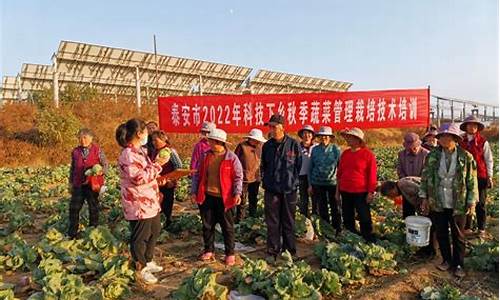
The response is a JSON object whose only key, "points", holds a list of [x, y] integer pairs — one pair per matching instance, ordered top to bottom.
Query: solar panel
{"points": [[113, 71], [276, 82]]}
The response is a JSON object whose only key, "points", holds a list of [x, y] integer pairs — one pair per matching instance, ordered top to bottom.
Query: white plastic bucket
{"points": [[418, 230]]}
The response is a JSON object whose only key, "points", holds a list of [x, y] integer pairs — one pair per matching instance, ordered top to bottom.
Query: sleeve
{"points": [[238, 150], [195, 157], [298, 158], [488, 159], [176, 160], [263, 161], [104, 162], [133, 166], [311, 166], [71, 168], [339, 170], [372, 173], [401, 173], [196, 176], [238, 177], [471, 181], [422, 192]]}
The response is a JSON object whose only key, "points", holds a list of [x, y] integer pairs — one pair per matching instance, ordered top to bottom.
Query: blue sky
{"points": [[451, 45]]}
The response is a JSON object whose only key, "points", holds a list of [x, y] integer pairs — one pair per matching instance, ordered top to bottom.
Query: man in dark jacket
{"points": [[280, 166]]}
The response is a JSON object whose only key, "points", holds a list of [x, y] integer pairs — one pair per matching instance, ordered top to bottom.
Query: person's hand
{"points": [[161, 160], [490, 183], [310, 191], [337, 196], [369, 197], [193, 198], [237, 199], [424, 207], [470, 209]]}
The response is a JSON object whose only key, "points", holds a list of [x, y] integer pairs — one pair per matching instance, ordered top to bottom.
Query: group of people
{"points": [[438, 177], [446, 178]]}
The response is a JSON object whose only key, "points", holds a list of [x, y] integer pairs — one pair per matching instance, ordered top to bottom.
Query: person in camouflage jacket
{"points": [[449, 191]]}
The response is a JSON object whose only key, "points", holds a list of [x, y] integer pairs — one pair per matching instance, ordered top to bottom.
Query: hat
{"points": [[276, 119], [472, 119], [207, 126], [305, 128], [449, 128], [325, 131], [354, 132], [433, 132], [256, 134], [218, 135], [411, 140]]}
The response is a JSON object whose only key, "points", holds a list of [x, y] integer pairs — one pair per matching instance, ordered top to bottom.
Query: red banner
{"points": [[241, 113]]}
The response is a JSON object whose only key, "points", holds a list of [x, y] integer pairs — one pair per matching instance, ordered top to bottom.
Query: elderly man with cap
{"points": [[307, 144], [202, 146], [479, 147], [249, 153], [84, 157], [410, 163], [280, 167], [323, 177], [357, 182], [217, 188], [449, 190]]}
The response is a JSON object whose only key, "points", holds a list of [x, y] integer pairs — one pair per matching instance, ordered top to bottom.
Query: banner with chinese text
{"points": [[240, 113]]}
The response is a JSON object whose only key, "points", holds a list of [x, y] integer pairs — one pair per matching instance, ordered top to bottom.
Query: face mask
{"points": [[144, 140]]}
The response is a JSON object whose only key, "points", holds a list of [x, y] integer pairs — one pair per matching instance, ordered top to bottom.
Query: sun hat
{"points": [[472, 119], [207, 127], [305, 128], [450, 128], [325, 130], [354, 132], [256, 134], [218, 135]]}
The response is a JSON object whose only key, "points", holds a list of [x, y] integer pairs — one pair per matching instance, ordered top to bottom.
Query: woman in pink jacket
{"points": [[140, 196]]}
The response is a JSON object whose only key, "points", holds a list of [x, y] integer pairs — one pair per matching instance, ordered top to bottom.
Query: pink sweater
{"points": [[139, 189]]}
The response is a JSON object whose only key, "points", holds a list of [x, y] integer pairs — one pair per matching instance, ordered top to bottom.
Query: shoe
{"points": [[468, 232], [207, 256], [230, 260], [271, 260], [444, 266], [153, 267], [459, 272], [147, 277]]}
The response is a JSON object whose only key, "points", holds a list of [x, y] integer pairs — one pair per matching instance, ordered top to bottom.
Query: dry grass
{"points": [[19, 140]]}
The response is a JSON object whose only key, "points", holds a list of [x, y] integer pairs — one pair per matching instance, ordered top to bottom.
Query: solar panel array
{"points": [[115, 71]]}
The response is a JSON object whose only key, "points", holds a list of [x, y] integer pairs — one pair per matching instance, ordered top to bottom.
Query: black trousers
{"points": [[482, 184], [78, 196], [248, 198], [304, 198], [356, 202], [167, 204], [328, 207], [408, 208], [212, 212], [280, 221], [444, 222], [143, 237]]}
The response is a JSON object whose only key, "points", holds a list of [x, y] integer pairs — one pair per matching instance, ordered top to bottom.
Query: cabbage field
{"points": [[38, 261]]}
